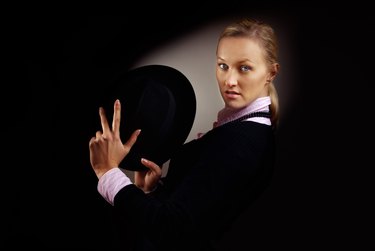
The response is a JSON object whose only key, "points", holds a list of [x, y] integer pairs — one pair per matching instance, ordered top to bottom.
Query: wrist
{"points": [[101, 171], [151, 190]]}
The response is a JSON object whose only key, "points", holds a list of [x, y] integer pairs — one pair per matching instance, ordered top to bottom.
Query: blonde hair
{"points": [[266, 38]]}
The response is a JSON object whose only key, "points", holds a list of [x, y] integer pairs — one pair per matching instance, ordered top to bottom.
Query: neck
{"points": [[228, 114]]}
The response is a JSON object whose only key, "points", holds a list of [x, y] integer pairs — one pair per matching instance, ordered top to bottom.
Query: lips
{"points": [[232, 94]]}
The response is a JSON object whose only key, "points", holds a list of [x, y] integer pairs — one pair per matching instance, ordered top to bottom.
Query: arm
{"points": [[207, 199]]}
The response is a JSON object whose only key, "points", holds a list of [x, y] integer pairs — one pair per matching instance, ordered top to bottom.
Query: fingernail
{"points": [[144, 160]]}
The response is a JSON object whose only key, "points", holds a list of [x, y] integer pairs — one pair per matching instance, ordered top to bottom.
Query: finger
{"points": [[116, 118], [104, 122], [98, 134], [132, 139], [92, 140], [152, 166]]}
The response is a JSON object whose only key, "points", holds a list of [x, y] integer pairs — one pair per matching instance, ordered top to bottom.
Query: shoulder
{"points": [[248, 132], [247, 139]]}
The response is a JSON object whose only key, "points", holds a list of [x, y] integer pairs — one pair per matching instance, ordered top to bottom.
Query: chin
{"points": [[234, 105]]}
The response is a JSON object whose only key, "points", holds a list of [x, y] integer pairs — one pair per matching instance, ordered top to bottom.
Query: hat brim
{"points": [[159, 100]]}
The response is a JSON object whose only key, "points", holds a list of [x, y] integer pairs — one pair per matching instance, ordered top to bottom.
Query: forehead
{"points": [[232, 47]]}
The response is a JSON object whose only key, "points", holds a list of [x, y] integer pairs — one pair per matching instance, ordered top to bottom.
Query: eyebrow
{"points": [[247, 60], [242, 61]]}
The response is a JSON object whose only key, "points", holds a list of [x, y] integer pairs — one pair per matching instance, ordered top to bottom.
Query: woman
{"points": [[212, 179]]}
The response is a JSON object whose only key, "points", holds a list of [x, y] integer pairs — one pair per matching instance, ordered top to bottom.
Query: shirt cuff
{"points": [[111, 183]]}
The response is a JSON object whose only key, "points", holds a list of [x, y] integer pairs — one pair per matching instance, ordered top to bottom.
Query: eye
{"points": [[223, 66], [245, 68]]}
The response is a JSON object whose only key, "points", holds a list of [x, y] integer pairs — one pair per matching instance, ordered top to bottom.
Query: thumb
{"points": [[132, 139], [152, 166]]}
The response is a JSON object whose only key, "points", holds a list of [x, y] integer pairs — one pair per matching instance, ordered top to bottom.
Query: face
{"points": [[241, 71]]}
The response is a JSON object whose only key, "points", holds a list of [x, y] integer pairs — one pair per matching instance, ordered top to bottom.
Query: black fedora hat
{"points": [[159, 100]]}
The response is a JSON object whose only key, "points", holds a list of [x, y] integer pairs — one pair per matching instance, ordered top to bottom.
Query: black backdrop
{"points": [[322, 192]]}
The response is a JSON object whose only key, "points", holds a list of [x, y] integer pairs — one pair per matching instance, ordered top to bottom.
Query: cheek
{"points": [[217, 75], [219, 78], [256, 81], [252, 86]]}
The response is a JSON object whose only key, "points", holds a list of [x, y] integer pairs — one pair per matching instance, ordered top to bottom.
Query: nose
{"points": [[231, 78]]}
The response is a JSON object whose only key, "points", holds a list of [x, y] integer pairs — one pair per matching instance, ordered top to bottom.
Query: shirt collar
{"points": [[227, 114]]}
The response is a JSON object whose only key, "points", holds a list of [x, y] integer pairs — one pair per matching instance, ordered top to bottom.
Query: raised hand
{"points": [[106, 148]]}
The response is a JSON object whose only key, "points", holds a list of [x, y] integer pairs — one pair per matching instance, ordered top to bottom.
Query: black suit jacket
{"points": [[210, 182]]}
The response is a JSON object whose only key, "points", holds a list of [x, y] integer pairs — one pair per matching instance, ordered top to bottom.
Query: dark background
{"points": [[322, 193]]}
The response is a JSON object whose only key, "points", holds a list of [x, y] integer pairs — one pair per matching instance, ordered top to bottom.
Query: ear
{"points": [[273, 72]]}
